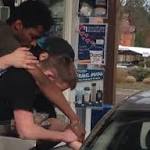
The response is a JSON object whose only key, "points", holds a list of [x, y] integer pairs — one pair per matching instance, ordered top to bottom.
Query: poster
{"points": [[92, 43]]}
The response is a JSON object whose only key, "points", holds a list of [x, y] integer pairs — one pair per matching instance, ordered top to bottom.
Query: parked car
{"points": [[125, 127]]}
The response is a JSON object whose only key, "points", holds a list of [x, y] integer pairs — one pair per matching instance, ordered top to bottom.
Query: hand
{"points": [[22, 58], [78, 129], [69, 136], [76, 145]]}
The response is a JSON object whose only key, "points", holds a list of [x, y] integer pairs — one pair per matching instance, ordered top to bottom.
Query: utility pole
{"points": [[111, 53]]}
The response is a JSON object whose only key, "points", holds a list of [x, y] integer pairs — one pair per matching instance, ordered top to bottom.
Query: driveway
{"points": [[122, 93]]}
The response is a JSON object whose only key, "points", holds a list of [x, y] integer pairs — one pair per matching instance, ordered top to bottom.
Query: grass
{"points": [[136, 86]]}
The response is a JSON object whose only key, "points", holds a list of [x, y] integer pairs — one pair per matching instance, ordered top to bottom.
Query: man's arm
{"points": [[53, 93], [56, 96], [27, 129]]}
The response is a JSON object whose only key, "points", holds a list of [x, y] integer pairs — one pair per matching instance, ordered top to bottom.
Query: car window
{"points": [[122, 136], [145, 136], [106, 138]]}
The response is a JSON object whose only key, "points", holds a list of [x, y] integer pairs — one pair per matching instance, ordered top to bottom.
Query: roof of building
{"points": [[145, 52]]}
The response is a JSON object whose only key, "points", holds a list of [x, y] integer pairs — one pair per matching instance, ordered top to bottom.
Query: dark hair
{"points": [[9, 3], [32, 13], [59, 46]]}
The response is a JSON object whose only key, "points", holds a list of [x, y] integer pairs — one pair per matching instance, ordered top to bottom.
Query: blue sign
{"points": [[92, 37], [88, 75]]}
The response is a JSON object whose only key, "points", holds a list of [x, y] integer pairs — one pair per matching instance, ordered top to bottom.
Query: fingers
{"points": [[22, 49], [29, 56], [23, 58], [29, 61], [28, 66], [69, 136], [75, 145]]}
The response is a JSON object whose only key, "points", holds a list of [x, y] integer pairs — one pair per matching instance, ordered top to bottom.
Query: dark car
{"points": [[125, 127]]}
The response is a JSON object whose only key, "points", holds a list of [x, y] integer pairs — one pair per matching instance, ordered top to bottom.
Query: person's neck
{"points": [[15, 33]]}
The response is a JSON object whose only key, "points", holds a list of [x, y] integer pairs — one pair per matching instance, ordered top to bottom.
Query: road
{"points": [[122, 93]]}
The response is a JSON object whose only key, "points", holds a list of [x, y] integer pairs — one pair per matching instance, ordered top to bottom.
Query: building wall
{"points": [[127, 39]]}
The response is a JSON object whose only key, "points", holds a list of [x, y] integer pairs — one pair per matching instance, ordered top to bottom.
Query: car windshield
{"points": [[124, 130]]}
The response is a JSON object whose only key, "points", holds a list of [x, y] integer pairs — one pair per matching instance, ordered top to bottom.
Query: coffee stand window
{"points": [[92, 49]]}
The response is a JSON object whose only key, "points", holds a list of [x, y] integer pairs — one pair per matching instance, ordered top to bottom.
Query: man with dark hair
{"points": [[32, 14], [26, 23], [20, 32]]}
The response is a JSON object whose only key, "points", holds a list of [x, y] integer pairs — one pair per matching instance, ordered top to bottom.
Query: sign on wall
{"points": [[92, 42], [90, 74]]}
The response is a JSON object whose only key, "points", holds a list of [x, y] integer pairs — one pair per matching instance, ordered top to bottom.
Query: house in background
{"points": [[127, 31], [127, 38], [132, 55], [128, 57]]}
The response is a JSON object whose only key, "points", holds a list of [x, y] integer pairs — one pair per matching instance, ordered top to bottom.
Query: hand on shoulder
{"points": [[22, 58]]}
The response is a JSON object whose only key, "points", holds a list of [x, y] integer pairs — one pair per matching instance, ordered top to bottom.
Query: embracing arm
{"points": [[20, 58], [4, 62], [27, 129]]}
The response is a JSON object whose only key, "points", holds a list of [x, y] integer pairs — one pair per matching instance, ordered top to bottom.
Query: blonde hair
{"points": [[63, 67]]}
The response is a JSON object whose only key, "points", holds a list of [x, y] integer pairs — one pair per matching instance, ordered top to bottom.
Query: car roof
{"points": [[138, 102], [135, 103]]}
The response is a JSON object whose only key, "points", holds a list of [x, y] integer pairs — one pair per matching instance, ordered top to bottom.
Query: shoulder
{"points": [[5, 30], [8, 41], [18, 72], [18, 77], [18, 88]]}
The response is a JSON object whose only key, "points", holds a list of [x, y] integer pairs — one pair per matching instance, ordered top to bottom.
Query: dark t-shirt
{"points": [[17, 87], [18, 90]]}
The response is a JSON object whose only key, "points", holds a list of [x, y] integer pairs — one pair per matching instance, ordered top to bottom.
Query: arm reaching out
{"points": [[54, 94], [27, 129]]}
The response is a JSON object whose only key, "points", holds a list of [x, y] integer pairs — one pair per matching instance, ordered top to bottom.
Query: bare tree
{"points": [[140, 16]]}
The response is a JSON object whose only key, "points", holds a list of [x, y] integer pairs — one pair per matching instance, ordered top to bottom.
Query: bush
{"points": [[148, 62], [139, 73], [121, 75], [130, 79], [146, 80]]}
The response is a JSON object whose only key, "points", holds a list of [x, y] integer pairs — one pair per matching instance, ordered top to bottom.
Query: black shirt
{"points": [[18, 90]]}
